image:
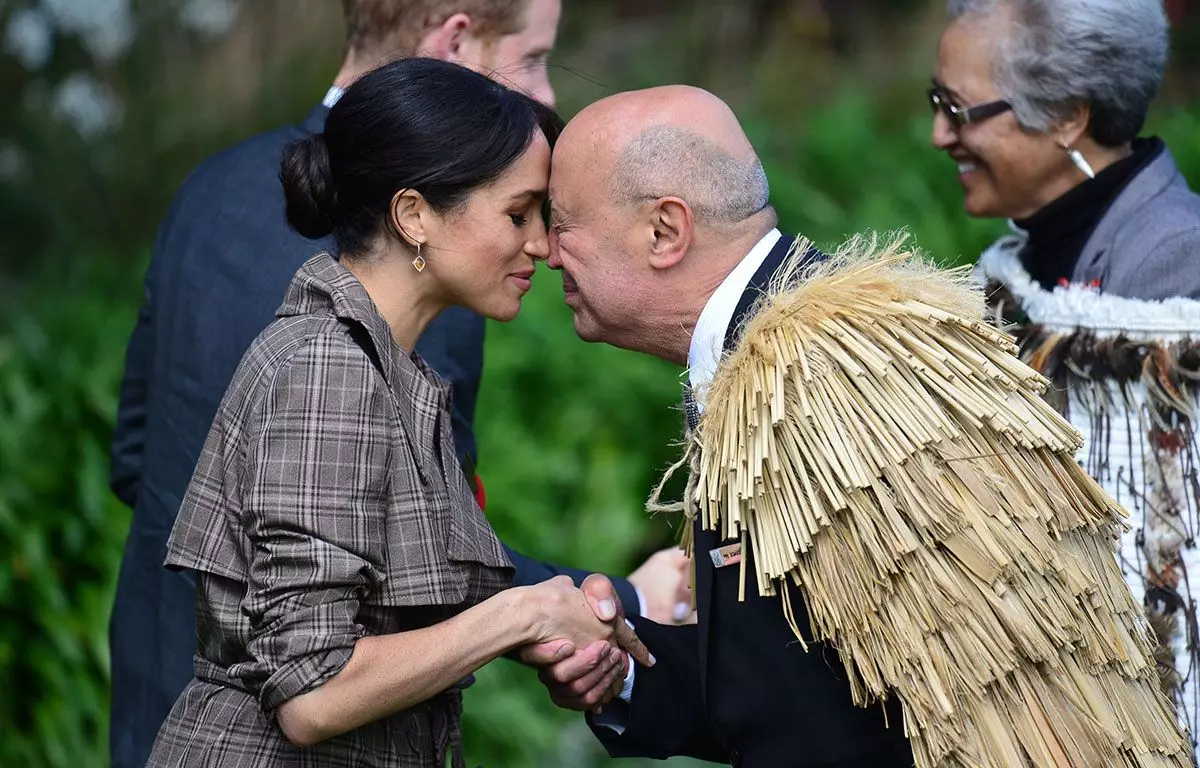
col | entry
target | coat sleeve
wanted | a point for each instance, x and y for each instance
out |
(530, 571)
(128, 445)
(666, 715)
(314, 504)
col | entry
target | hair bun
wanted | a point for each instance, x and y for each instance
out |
(308, 187)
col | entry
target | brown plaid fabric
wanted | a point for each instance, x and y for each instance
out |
(327, 505)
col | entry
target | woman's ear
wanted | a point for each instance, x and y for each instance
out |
(409, 217)
(672, 227)
(1075, 126)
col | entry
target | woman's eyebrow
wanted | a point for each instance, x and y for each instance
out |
(947, 89)
(532, 195)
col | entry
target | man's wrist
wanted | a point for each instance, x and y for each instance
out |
(630, 673)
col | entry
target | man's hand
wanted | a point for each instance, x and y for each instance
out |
(664, 582)
(594, 674)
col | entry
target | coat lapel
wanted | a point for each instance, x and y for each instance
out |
(705, 540)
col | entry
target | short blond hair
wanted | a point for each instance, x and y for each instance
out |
(397, 26)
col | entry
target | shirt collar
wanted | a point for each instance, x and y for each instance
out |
(708, 340)
(332, 95)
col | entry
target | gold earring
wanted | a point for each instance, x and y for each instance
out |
(419, 262)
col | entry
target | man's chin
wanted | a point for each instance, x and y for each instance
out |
(585, 330)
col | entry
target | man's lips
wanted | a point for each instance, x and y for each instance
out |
(569, 285)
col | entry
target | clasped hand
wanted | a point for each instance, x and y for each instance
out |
(583, 647)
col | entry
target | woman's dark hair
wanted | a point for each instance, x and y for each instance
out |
(421, 124)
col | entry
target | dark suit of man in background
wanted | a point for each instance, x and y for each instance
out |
(222, 260)
(683, 222)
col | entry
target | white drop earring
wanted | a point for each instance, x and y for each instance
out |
(419, 262)
(1080, 161)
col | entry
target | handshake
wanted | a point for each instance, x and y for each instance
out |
(586, 646)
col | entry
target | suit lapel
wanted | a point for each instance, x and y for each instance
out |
(758, 286)
(705, 540)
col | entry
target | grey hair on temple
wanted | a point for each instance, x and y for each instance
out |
(1058, 54)
(667, 161)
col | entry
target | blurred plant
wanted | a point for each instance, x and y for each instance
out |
(61, 532)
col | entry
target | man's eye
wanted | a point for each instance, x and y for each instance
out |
(518, 219)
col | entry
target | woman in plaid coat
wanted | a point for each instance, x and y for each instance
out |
(348, 584)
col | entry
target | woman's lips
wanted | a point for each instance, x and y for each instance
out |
(524, 279)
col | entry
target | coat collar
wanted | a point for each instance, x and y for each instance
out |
(322, 284)
(1149, 182)
(314, 121)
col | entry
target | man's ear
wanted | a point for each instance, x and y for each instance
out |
(453, 40)
(672, 227)
(409, 217)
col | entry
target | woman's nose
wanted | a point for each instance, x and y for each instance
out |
(944, 136)
(538, 247)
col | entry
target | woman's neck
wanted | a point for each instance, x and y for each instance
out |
(1101, 157)
(403, 296)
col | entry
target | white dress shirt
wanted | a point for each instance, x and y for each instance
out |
(708, 339)
(332, 95)
(704, 355)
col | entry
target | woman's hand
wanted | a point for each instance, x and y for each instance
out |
(592, 674)
(560, 611)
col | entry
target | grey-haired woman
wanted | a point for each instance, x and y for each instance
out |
(1040, 104)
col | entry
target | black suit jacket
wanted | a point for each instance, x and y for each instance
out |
(222, 261)
(737, 687)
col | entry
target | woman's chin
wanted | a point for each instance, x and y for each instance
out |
(980, 206)
(503, 311)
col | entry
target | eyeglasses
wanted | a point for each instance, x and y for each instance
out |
(960, 116)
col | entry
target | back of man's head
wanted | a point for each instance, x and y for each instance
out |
(389, 28)
(508, 40)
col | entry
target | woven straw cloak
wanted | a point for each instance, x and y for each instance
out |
(880, 447)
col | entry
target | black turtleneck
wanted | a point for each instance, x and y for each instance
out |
(1059, 232)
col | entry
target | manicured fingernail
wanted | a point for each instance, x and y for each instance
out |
(682, 610)
(608, 609)
(653, 660)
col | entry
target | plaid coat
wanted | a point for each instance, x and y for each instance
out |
(327, 505)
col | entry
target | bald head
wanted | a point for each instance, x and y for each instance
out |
(672, 141)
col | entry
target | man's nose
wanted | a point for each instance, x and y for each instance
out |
(554, 257)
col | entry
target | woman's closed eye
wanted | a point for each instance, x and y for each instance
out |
(518, 219)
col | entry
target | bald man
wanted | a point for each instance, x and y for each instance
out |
(662, 229)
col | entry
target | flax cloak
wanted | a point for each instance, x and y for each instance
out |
(881, 449)
(1126, 373)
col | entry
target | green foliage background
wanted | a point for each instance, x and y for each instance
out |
(572, 435)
